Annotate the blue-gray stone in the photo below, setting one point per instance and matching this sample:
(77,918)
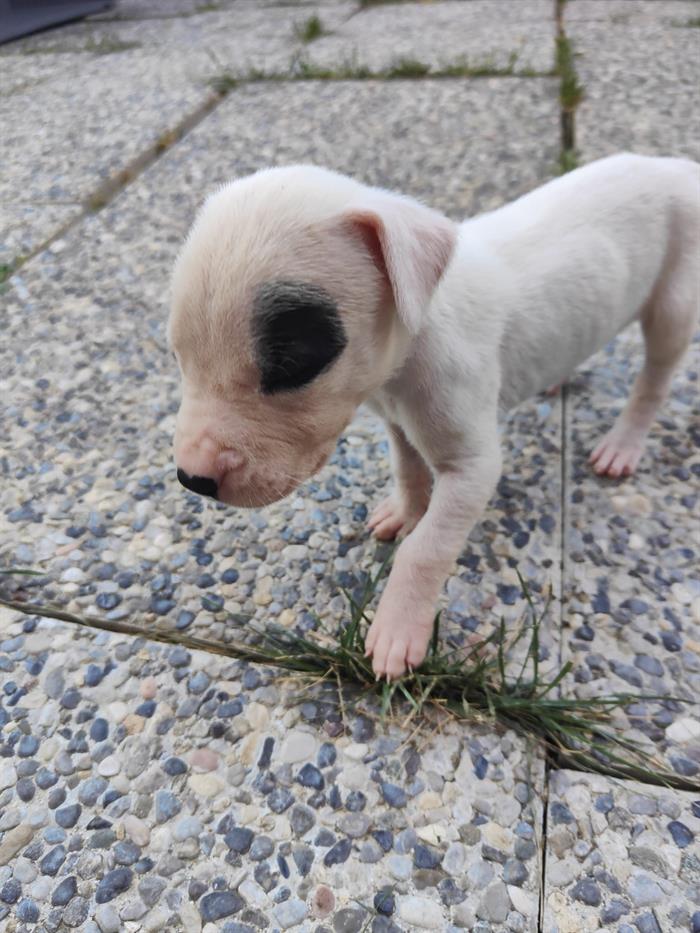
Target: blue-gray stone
(682,836)
(627,672)
(11,891)
(90,790)
(649,665)
(481,766)
(425,857)
(54,834)
(167,806)
(219,904)
(303,859)
(647,923)
(239,839)
(695,922)
(108,600)
(179,656)
(99,730)
(198,682)
(338,853)
(395,796)
(385,902)
(261,848)
(27,910)
(280,799)
(126,852)
(671,641)
(384,838)
(604,803)
(355,801)
(587,891)
(514,872)
(310,776)
(53,860)
(229,708)
(115,882)
(25,789)
(27,746)
(174,766)
(65,891)
(560,813)
(151,889)
(450,894)
(93,675)
(614,910)
(45,778)
(326,755)
(301,820)
(68,816)
(185,618)
(684,766)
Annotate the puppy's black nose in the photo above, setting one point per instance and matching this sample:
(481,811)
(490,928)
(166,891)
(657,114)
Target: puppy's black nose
(202,485)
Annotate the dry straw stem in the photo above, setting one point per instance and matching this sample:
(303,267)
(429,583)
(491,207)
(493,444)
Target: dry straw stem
(470,683)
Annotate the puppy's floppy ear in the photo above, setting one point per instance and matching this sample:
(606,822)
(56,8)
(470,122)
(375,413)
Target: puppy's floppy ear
(410,243)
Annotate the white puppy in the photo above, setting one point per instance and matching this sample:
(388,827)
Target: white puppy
(301,293)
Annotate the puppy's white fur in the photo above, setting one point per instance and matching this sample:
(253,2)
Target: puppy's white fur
(448,325)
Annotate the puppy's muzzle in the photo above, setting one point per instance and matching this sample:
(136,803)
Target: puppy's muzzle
(202,485)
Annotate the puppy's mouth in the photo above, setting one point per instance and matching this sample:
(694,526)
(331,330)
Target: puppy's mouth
(266,487)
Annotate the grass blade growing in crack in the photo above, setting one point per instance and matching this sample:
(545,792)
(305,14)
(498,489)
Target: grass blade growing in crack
(470,682)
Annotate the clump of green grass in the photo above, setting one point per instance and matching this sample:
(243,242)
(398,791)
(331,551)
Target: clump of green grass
(570,89)
(470,683)
(310,29)
(301,69)
(224,83)
(567,162)
(570,96)
(6,270)
(407,68)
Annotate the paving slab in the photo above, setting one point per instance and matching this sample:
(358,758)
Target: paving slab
(24,227)
(497,32)
(144,787)
(631,546)
(127,101)
(631,583)
(640,65)
(132,83)
(620,855)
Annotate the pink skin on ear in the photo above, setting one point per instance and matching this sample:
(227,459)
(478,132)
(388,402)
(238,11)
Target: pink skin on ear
(412,245)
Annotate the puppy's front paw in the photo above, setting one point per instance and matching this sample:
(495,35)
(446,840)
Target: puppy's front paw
(618,453)
(394,516)
(397,643)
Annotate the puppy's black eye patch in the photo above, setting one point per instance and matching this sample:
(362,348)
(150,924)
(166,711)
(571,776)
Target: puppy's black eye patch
(297,334)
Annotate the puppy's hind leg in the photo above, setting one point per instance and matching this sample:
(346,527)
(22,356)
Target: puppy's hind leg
(668,323)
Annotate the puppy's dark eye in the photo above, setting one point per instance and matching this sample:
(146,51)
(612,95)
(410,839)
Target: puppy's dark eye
(297,334)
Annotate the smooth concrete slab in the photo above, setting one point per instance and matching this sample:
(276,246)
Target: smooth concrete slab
(620,856)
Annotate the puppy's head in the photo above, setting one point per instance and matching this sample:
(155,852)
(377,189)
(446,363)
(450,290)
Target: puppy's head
(294,298)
